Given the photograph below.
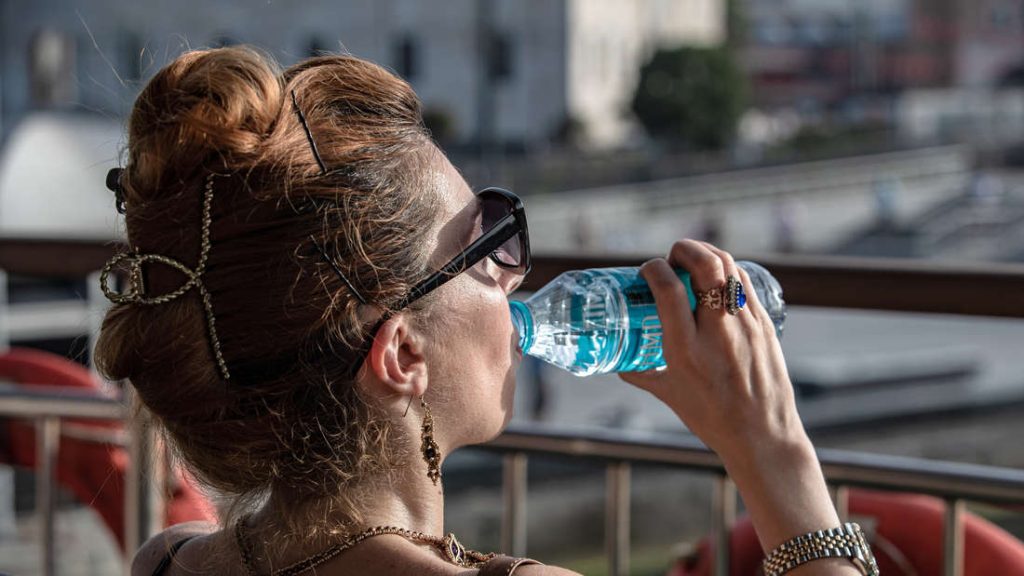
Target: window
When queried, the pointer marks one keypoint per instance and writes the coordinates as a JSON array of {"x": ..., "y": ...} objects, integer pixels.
[
  {"x": 222, "y": 40},
  {"x": 500, "y": 65},
  {"x": 130, "y": 51},
  {"x": 316, "y": 46},
  {"x": 51, "y": 68},
  {"x": 406, "y": 57}
]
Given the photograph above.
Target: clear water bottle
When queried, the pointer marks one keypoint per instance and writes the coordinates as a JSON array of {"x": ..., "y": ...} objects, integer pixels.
[{"x": 605, "y": 320}]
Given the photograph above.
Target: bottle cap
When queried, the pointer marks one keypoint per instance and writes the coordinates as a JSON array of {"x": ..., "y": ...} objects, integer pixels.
[{"x": 522, "y": 319}]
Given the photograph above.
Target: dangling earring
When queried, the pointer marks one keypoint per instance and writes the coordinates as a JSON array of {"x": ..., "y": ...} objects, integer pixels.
[{"x": 431, "y": 451}]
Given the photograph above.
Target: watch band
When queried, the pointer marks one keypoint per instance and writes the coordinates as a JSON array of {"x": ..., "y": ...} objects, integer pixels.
[{"x": 846, "y": 541}]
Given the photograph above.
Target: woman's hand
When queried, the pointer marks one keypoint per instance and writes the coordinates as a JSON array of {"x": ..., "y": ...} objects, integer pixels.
[
  {"x": 725, "y": 376},
  {"x": 726, "y": 379}
]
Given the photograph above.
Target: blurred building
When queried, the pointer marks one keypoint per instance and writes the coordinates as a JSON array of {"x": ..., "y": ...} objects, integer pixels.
[
  {"x": 823, "y": 53},
  {"x": 502, "y": 71}
]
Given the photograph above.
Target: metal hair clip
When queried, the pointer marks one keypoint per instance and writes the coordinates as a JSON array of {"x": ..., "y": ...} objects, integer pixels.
[
  {"x": 334, "y": 266},
  {"x": 136, "y": 292},
  {"x": 323, "y": 172},
  {"x": 309, "y": 135},
  {"x": 114, "y": 185}
]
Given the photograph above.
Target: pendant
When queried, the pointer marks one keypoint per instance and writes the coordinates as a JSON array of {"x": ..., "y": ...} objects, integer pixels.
[{"x": 454, "y": 550}]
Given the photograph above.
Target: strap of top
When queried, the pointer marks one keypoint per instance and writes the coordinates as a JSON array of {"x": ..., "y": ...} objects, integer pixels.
[
  {"x": 165, "y": 562},
  {"x": 504, "y": 565}
]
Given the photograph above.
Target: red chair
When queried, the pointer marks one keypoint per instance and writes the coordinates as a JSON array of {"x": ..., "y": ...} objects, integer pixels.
[
  {"x": 94, "y": 471},
  {"x": 907, "y": 540}
]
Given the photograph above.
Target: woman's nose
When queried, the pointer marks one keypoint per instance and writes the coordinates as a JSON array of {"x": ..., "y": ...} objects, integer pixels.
[
  {"x": 507, "y": 279},
  {"x": 517, "y": 280}
]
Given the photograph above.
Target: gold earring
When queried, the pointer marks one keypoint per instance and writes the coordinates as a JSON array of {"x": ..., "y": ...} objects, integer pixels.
[{"x": 430, "y": 449}]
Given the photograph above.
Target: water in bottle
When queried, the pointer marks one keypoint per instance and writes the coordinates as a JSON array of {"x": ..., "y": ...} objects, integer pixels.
[{"x": 605, "y": 320}]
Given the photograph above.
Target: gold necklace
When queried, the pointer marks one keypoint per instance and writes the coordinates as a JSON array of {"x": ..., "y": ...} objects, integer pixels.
[{"x": 450, "y": 548}]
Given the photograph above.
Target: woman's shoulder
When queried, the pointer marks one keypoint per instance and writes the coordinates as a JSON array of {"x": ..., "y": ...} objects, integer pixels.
[{"x": 154, "y": 550}]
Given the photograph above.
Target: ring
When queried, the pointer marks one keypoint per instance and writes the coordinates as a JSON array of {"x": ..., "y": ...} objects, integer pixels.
[{"x": 731, "y": 296}]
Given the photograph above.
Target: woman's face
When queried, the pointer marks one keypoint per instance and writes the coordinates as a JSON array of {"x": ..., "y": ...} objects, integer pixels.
[{"x": 473, "y": 348}]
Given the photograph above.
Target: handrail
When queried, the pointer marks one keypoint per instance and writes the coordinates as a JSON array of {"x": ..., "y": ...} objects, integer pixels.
[
  {"x": 938, "y": 478},
  {"x": 59, "y": 402},
  {"x": 966, "y": 288}
]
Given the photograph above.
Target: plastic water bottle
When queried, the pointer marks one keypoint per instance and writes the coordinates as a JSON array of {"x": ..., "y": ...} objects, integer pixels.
[{"x": 605, "y": 320}]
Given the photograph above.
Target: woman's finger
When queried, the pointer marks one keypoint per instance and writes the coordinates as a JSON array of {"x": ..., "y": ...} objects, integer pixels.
[
  {"x": 754, "y": 307},
  {"x": 748, "y": 319},
  {"x": 672, "y": 301},
  {"x": 705, "y": 267}
]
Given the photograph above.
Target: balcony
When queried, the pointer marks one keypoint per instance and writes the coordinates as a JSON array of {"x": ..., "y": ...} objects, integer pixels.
[{"x": 874, "y": 285}]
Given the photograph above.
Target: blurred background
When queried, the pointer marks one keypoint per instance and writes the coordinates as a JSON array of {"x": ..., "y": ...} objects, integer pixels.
[{"x": 887, "y": 134}]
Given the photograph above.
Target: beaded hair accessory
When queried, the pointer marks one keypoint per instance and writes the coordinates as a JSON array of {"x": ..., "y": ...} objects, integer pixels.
[{"x": 133, "y": 261}]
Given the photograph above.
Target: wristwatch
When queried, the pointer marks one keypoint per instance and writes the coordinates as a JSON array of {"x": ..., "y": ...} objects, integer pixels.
[{"x": 846, "y": 541}]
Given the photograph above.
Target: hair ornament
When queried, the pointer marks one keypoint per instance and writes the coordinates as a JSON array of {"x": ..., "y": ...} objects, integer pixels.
[{"x": 136, "y": 291}]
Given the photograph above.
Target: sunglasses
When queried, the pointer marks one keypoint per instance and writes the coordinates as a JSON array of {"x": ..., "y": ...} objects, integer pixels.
[{"x": 505, "y": 240}]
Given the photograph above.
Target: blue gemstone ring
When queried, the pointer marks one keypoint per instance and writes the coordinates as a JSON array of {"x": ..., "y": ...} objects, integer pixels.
[
  {"x": 736, "y": 298},
  {"x": 731, "y": 297}
]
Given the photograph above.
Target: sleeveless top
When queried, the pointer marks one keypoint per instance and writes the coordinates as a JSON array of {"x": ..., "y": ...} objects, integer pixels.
[
  {"x": 497, "y": 566},
  {"x": 165, "y": 562}
]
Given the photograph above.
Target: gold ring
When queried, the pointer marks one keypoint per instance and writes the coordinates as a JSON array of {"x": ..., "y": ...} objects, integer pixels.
[{"x": 730, "y": 296}]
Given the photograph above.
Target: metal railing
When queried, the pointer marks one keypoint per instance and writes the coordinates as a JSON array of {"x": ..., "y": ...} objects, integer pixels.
[
  {"x": 954, "y": 483},
  {"x": 831, "y": 282},
  {"x": 47, "y": 408}
]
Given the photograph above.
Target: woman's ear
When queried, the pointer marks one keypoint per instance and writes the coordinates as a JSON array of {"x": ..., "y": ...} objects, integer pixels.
[{"x": 397, "y": 360}]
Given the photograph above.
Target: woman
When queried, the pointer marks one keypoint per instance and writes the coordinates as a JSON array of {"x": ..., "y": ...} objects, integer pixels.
[{"x": 317, "y": 314}]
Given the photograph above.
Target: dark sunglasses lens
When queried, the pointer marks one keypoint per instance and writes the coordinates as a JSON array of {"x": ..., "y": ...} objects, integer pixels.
[{"x": 495, "y": 208}]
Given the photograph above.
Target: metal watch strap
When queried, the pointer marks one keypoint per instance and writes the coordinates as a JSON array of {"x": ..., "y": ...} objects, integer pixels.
[{"x": 846, "y": 541}]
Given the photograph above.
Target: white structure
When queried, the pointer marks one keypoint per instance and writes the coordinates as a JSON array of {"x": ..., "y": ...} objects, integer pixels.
[
  {"x": 53, "y": 178},
  {"x": 500, "y": 70}
]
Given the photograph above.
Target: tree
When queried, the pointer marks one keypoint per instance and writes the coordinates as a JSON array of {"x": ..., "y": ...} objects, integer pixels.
[{"x": 691, "y": 96}]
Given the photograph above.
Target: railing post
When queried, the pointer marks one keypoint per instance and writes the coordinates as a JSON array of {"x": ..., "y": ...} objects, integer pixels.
[
  {"x": 7, "y": 524},
  {"x": 617, "y": 520},
  {"x": 143, "y": 496},
  {"x": 47, "y": 446},
  {"x": 5, "y": 313},
  {"x": 513, "y": 520},
  {"x": 97, "y": 305},
  {"x": 723, "y": 516},
  {"x": 953, "y": 538}
]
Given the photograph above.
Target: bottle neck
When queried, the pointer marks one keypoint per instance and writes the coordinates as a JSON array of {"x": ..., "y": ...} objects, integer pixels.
[{"x": 522, "y": 319}]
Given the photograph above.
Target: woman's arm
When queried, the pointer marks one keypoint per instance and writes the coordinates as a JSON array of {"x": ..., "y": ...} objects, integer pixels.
[{"x": 726, "y": 379}]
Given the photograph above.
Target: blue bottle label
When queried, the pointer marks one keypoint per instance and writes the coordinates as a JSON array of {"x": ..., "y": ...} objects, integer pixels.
[{"x": 643, "y": 346}]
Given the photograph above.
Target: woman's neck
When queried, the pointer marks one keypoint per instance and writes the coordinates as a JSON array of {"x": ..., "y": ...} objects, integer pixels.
[
  {"x": 407, "y": 499},
  {"x": 411, "y": 501}
]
